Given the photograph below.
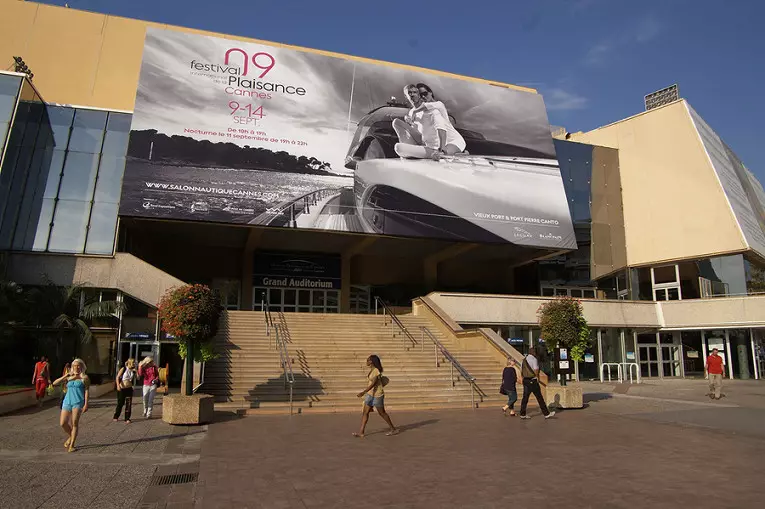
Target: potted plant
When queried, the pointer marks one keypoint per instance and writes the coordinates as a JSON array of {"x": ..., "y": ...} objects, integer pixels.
[
  {"x": 190, "y": 313},
  {"x": 563, "y": 325}
]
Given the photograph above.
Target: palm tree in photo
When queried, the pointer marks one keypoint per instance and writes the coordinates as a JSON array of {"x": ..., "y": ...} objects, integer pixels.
[{"x": 68, "y": 309}]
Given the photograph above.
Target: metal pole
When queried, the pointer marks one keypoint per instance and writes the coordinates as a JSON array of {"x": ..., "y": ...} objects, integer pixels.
[
  {"x": 435, "y": 353},
  {"x": 290, "y": 398},
  {"x": 451, "y": 374},
  {"x": 754, "y": 355},
  {"x": 472, "y": 394},
  {"x": 422, "y": 340}
]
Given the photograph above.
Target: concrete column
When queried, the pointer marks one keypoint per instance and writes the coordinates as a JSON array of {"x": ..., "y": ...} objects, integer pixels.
[
  {"x": 247, "y": 266},
  {"x": 728, "y": 354},
  {"x": 430, "y": 264},
  {"x": 345, "y": 284},
  {"x": 346, "y": 258}
]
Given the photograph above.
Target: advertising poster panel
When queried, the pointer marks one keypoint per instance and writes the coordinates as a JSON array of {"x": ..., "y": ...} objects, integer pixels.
[{"x": 249, "y": 133}]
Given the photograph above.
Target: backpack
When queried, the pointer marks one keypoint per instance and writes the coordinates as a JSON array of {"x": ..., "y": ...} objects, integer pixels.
[{"x": 526, "y": 371}]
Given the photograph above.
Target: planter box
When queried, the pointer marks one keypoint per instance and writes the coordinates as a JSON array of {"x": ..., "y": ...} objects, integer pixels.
[
  {"x": 194, "y": 409},
  {"x": 569, "y": 396}
]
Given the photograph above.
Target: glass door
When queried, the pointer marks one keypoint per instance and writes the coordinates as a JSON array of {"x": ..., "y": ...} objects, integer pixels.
[
  {"x": 649, "y": 361},
  {"x": 671, "y": 354}
]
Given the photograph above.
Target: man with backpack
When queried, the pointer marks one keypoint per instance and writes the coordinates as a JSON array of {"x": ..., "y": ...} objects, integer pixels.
[{"x": 530, "y": 374}]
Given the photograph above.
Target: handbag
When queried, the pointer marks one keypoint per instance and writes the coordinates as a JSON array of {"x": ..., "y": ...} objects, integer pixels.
[
  {"x": 502, "y": 390},
  {"x": 49, "y": 390},
  {"x": 384, "y": 380}
]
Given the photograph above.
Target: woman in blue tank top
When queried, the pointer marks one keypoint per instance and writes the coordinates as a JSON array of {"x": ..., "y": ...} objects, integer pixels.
[{"x": 75, "y": 402}]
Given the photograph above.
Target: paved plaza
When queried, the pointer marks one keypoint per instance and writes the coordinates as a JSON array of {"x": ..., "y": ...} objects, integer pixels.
[{"x": 654, "y": 445}]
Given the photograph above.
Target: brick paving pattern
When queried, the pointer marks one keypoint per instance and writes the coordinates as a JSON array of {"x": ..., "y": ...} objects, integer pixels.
[{"x": 656, "y": 445}]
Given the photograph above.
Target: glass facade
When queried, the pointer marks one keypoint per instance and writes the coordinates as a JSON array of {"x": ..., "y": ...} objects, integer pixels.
[
  {"x": 61, "y": 176},
  {"x": 569, "y": 274}
]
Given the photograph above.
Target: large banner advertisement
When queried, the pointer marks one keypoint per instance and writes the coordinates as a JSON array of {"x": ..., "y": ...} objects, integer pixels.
[{"x": 248, "y": 133}]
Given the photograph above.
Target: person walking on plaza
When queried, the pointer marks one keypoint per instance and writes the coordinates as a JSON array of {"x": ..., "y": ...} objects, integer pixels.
[
  {"x": 41, "y": 378},
  {"x": 530, "y": 374},
  {"x": 715, "y": 370},
  {"x": 508, "y": 387},
  {"x": 75, "y": 402},
  {"x": 150, "y": 374},
  {"x": 374, "y": 396},
  {"x": 125, "y": 381}
]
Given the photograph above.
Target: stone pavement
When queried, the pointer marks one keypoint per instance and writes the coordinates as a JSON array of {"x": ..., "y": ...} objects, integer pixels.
[
  {"x": 623, "y": 450},
  {"x": 112, "y": 467}
]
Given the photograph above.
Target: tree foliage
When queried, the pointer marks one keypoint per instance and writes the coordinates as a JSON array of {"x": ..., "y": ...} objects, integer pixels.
[
  {"x": 756, "y": 281},
  {"x": 190, "y": 313},
  {"x": 563, "y": 324}
]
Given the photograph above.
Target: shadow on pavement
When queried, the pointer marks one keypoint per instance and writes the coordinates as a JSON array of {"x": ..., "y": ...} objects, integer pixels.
[
  {"x": 141, "y": 440},
  {"x": 407, "y": 427},
  {"x": 223, "y": 416},
  {"x": 594, "y": 397}
]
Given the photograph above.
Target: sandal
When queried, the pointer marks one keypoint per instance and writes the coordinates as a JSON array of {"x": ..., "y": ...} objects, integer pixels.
[
  {"x": 357, "y": 435},
  {"x": 392, "y": 432}
]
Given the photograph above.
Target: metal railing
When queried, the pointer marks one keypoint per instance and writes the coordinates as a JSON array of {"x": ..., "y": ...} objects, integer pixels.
[
  {"x": 285, "y": 362},
  {"x": 388, "y": 312},
  {"x": 287, "y": 212},
  {"x": 454, "y": 364},
  {"x": 609, "y": 365},
  {"x": 275, "y": 331},
  {"x": 628, "y": 367}
]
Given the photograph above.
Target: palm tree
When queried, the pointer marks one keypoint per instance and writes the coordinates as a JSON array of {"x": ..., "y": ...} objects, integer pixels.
[
  {"x": 11, "y": 306},
  {"x": 67, "y": 309}
]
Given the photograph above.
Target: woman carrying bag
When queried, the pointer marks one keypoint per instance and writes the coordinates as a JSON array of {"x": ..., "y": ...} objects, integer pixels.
[
  {"x": 508, "y": 387},
  {"x": 125, "y": 381}
]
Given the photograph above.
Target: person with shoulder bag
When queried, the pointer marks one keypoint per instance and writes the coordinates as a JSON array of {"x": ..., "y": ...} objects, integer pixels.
[
  {"x": 530, "y": 374},
  {"x": 125, "y": 382},
  {"x": 509, "y": 381},
  {"x": 150, "y": 374}
]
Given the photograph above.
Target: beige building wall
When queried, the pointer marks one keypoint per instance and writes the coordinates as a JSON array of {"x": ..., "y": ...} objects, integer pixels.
[
  {"x": 89, "y": 59},
  {"x": 674, "y": 206},
  {"x": 713, "y": 313}
]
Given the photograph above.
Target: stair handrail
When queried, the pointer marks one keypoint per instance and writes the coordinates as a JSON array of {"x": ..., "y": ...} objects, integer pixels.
[
  {"x": 454, "y": 363},
  {"x": 284, "y": 360},
  {"x": 265, "y": 306},
  {"x": 387, "y": 311}
]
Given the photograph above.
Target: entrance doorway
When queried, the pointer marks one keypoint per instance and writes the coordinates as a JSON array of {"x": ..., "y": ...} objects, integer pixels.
[
  {"x": 649, "y": 361},
  {"x": 137, "y": 350},
  {"x": 290, "y": 300}
]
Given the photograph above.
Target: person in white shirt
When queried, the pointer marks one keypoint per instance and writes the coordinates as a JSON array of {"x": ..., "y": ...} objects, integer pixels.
[
  {"x": 450, "y": 141},
  {"x": 530, "y": 374},
  {"x": 425, "y": 131}
]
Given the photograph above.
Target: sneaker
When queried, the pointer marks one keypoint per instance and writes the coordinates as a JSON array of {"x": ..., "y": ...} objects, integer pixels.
[
  {"x": 551, "y": 414},
  {"x": 525, "y": 417}
]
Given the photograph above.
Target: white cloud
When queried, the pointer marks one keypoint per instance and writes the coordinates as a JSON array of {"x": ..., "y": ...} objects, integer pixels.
[
  {"x": 644, "y": 31},
  {"x": 557, "y": 99},
  {"x": 598, "y": 54}
]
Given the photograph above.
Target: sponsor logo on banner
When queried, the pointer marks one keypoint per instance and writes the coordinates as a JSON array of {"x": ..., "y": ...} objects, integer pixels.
[{"x": 251, "y": 133}]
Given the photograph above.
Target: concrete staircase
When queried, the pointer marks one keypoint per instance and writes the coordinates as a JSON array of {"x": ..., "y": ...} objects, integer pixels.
[{"x": 328, "y": 354}]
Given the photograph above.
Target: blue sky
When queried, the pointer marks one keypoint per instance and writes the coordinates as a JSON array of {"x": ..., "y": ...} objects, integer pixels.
[{"x": 593, "y": 60}]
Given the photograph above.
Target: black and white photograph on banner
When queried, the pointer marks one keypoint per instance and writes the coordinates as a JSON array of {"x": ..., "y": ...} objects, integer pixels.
[{"x": 249, "y": 133}]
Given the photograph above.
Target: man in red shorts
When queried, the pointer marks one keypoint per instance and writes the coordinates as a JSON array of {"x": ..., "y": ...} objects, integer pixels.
[{"x": 715, "y": 369}]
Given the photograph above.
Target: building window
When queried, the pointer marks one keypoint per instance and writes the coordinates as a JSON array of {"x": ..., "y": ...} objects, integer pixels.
[
  {"x": 569, "y": 291},
  {"x": 65, "y": 166},
  {"x": 665, "y": 282}
]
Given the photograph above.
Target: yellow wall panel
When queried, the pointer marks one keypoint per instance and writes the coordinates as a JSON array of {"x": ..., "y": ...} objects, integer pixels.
[
  {"x": 15, "y": 19},
  {"x": 65, "y": 64},
  {"x": 674, "y": 207},
  {"x": 119, "y": 64},
  {"x": 90, "y": 59}
]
